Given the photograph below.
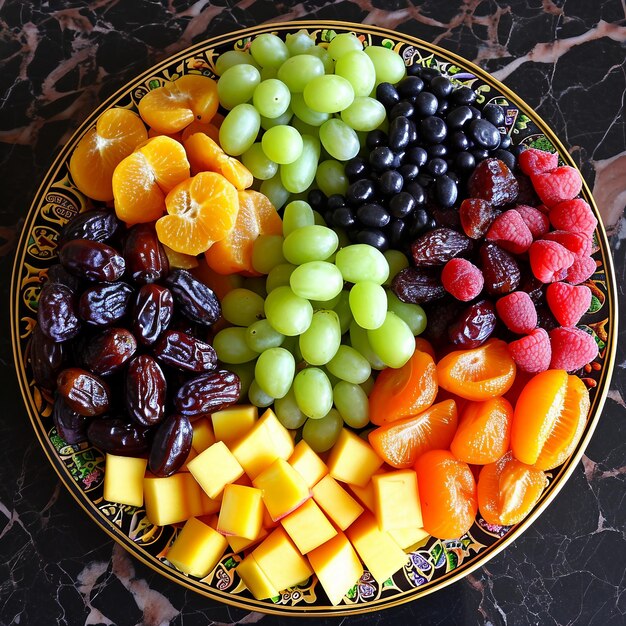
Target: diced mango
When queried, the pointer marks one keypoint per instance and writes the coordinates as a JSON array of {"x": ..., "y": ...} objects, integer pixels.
[
  {"x": 166, "y": 499},
  {"x": 203, "y": 436},
  {"x": 255, "y": 580},
  {"x": 408, "y": 537},
  {"x": 336, "y": 502},
  {"x": 352, "y": 460},
  {"x": 234, "y": 422},
  {"x": 307, "y": 463},
  {"x": 239, "y": 544},
  {"x": 192, "y": 455},
  {"x": 215, "y": 468},
  {"x": 268, "y": 522},
  {"x": 308, "y": 527},
  {"x": 123, "y": 479},
  {"x": 366, "y": 494},
  {"x": 241, "y": 514},
  {"x": 396, "y": 499}
]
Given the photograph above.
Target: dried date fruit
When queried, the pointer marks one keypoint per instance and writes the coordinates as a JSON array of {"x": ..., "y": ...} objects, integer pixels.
[
  {"x": 56, "y": 313},
  {"x": 440, "y": 315},
  {"x": 170, "y": 446},
  {"x": 71, "y": 426},
  {"x": 152, "y": 313},
  {"x": 146, "y": 389},
  {"x": 146, "y": 261},
  {"x": 104, "y": 304},
  {"x": 493, "y": 181},
  {"x": 438, "y": 246},
  {"x": 92, "y": 260},
  {"x": 474, "y": 325},
  {"x": 195, "y": 300},
  {"x": 116, "y": 436},
  {"x": 58, "y": 274},
  {"x": 108, "y": 351},
  {"x": 418, "y": 285},
  {"x": 95, "y": 225},
  {"x": 84, "y": 392},
  {"x": 476, "y": 217},
  {"x": 500, "y": 269},
  {"x": 47, "y": 358},
  {"x": 207, "y": 393},
  {"x": 184, "y": 352}
]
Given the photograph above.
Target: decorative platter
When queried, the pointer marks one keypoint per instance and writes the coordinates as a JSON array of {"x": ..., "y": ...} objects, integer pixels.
[{"x": 80, "y": 467}]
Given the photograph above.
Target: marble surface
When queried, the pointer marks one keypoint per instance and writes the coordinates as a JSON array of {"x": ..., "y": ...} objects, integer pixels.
[{"x": 61, "y": 58}]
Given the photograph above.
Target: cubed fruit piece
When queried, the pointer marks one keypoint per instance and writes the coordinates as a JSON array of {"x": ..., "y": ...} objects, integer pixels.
[
  {"x": 307, "y": 463},
  {"x": 255, "y": 580},
  {"x": 197, "y": 549},
  {"x": 281, "y": 561},
  {"x": 166, "y": 499},
  {"x": 308, "y": 527},
  {"x": 366, "y": 494},
  {"x": 382, "y": 556},
  {"x": 239, "y": 544},
  {"x": 267, "y": 441},
  {"x": 337, "y": 567},
  {"x": 336, "y": 502},
  {"x": 283, "y": 489},
  {"x": 242, "y": 512},
  {"x": 397, "y": 500},
  {"x": 192, "y": 455},
  {"x": 198, "y": 503},
  {"x": 234, "y": 422},
  {"x": 215, "y": 468},
  {"x": 408, "y": 537},
  {"x": 123, "y": 479},
  {"x": 352, "y": 460},
  {"x": 203, "y": 435}
]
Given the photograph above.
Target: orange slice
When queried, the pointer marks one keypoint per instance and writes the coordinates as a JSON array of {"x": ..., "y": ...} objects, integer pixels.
[{"x": 198, "y": 127}]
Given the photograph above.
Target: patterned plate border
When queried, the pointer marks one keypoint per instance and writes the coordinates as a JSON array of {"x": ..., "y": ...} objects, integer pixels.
[{"x": 431, "y": 566}]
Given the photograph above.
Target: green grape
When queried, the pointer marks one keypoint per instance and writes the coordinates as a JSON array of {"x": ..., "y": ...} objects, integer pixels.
[
  {"x": 318, "y": 218},
  {"x": 288, "y": 313},
  {"x": 258, "y": 397},
  {"x": 267, "y": 73},
  {"x": 260, "y": 336},
  {"x": 267, "y": 253},
  {"x": 364, "y": 114},
  {"x": 310, "y": 243},
  {"x": 358, "y": 69},
  {"x": 316, "y": 280},
  {"x": 274, "y": 371},
  {"x": 396, "y": 261},
  {"x": 298, "y": 176},
  {"x": 362, "y": 262},
  {"x": 245, "y": 371},
  {"x": 237, "y": 84},
  {"x": 231, "y": 347},
  {"x": 328, "y": 94},
  {"x": 324, "y": 57},
  {"x": 342, "y": 308},
  {"x": 242, "y": 307},
  {"x": 343, "y": 44},
  {"x": 282, "y": 144},
  {"x": 331, "y": 177},
  {"x": 279, "y": 276},
  {"x": 296, "y": 215},
  {"x": 393, "y": 341},
  {"x": 360, "y": 342},
  {"x": 368, "y": 385},
  {"x": 274, "y": 190},
  {"x": 305, "y": 129},
  {"x": 291, "y": 344},
  {"x": 298, "y": 43},
  {"x": 271, "y": 98},
  {"x": 306, "y": 114},
  {"x": 233, "y": 57},
  {"x": 281, "y": 120},
  {"x": 339, "y": 140},
  {"x": 287, "y": 411},
  {"x": 352, "y": 403},
  {"x": 297, "y": 71},
  {"x": 331, "y": 377},
  {"x": 313, "y": 392},
  {"x": 320, "y": 342},
  {"x": 269, "y": 50},
  {"x": 326, "y": 304},
  {"x": 322, "y": 434},
  {"x": 390, "y": 67},
  {"x": 255, "y": 284},
  {"x": 350, "y": 365},
  {"x": 239, "y": 129},
  {"x": 368, "y": 303},
  {"x": 413, "y": 314},
  {"x": 259, "y": 165}
]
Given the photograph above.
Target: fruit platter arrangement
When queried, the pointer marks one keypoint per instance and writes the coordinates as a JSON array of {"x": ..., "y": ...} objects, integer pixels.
[{"x": 314, "y": 318}]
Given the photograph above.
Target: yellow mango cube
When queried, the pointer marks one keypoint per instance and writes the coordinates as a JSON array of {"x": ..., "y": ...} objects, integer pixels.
[
  {"x": 307, "y": 463},
  {"x": 239, "y": 544},
  {"x": 308, "y": 527},
  {"x": 284, "y": 490},
  {"x": 336, "y": 502},
  {"x": 396, "y": 499},
  {"x": 352, "y": 460},
  {"x": 241, "y": 514},
  {"x": 267, "y": 441},
  {"x": 215, "y": 468},
  {"x": 234, "y": 422},
  {"x": 166, "y": 500},
  {"x": 255, "y": 580},
  {"x": 203, "y": 436},
  {"x": 382, "y": 556},
  {"x": 192, "y": 455},
  {"x": 123, "y": 479},
  {"x": 337, "y": 566},
  {"x": 197, "y": 549},
  {"x": 281, "y": 561},
  {"x": 408, "y": 537}
]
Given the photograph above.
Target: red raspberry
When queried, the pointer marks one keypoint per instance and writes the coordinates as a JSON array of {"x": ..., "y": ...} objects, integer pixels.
[
  {"x": 549, "y": 260},
  {"x": 563, "y": 183},
  {"x": 568, "y": 303},
  {"x": 462, "y": 279},
  {"x": 533, "y": 352},
  {"x": 518, "y": 312},
  {"x": 510, "y": 232},
  {"x": 581, "y": 270},
  {"x": 578, "y": 244},
  {"x": 537, "y": 222},
  {"x": 572, "y": 348},
  {"x": 533, "y": 161},
  {"x": 574, "y": 216}
]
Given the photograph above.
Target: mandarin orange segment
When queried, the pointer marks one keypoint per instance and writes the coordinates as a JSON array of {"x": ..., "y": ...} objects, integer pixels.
[
  {"x": 116, "y": 134},
  {"x": 179, "y": 260},
  {"x": 402, "y": 442},
  {"x": 198, "y": 127},
  {"x": 221, "y": 284},
  {"x": 423, "y": 345},
  {"x": 479, "y": 374},
  {"x": 484, "y": 431},
  {"x": 202, "y": 94},
  {"x": 168, "y": 161}
]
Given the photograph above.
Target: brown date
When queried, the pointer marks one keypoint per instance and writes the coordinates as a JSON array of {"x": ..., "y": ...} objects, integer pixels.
[
  {"x": 71, "y": 426},
  {"x": 195, "y": 300},
  {"x": 145, "y": 257},
  {"x": 418, "y": 285},
  {"x": 152, "y": 313},
  {"x": 118, "y": 437},
  {"x": 58, "y": 274},
  {"x": 108, "y": 351},
  {"x": 185, "y": 352},
  {"x": 146, "y": 389},
  {"x": 92, "y": 260},
  {"x": 47, "y": 358},
  {"x": 56, "y": 313},
  {"x": 207, "y": 393},
  {"x": 95, "y": 225},
  {"x": 170, "y": 446},
  {"x": 438, "y": 246},
  {"x": 104, "y": 304},
  {"x": 474, "y": 325},
  {"x": 84, "y": 392},
  {"x": 493, "y": 181},
  {"x": 500, "y": 269}
]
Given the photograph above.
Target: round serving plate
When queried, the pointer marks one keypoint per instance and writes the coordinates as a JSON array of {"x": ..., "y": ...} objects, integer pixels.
[{"x": 430, "y": 566}]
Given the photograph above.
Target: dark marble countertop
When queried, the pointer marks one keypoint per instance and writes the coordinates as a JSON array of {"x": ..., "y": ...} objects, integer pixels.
[{"x": 60, "y": 58}]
